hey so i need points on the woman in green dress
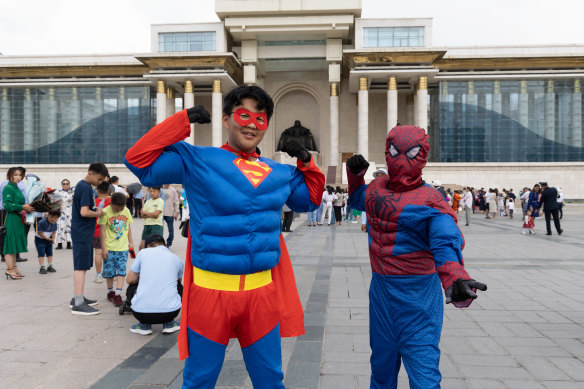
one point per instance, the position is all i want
(15, 239)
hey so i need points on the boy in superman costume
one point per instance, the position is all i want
(414, 245)
(238, 276)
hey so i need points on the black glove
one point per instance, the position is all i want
(357, 164)
(258, 151)
(461, 290)
(199, 115)
(296, 150)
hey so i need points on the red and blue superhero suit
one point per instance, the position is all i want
(240, 281)
(414, 245)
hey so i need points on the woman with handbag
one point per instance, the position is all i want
(15, 239)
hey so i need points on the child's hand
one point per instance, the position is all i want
(104, 254)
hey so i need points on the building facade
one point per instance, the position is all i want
(496, 116)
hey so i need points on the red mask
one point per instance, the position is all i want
(245, 117)
(406, 154)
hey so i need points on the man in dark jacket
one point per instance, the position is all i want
(549, 199)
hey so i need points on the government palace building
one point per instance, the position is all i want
(497, 116)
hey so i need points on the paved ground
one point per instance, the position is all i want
(527, 331)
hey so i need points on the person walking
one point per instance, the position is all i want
(533, 201)
(338, 204)
(525, 199)
(327, 197)
(560, 202)
(15, 238)
(549, 200)
(171, 211)
(467, 201)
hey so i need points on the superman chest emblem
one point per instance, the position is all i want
(254, 171)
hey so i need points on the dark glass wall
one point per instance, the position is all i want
(72, 125)
(508, 121)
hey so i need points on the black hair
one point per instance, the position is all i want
(329, 189)
(103, 187)
(114, 179)
(159, 188)
(234, 97)
(55, 213)
(12, 170)
(339, 189)
(154, 239)
(118, 199)
(98, 168)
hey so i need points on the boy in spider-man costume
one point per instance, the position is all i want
(240, 281)
(414, 245)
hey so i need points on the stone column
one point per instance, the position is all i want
(410, 109)
(423, 103)
(29, 138)
(576, 135)
(170, 102)
(5, 127)
(492, 140)
(334, 125)
(523, 104)
(363, 132)
(216, 114)
(549, 112)
(391, 103)
(160, 102)
(52, 118)
(189, 102)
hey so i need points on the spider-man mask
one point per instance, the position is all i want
(406, 154)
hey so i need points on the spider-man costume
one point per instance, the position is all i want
(414, 245)
(240, 283)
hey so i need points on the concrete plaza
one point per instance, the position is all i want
(526, 331)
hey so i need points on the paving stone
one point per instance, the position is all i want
(233, 373)
(118, 378)
(332, 381)
(302, 374)
(516, 384)
(143, 358)
(163, 372)
(310, 351)
(542, 368)
(573, 367)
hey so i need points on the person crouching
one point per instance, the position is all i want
(154, 287)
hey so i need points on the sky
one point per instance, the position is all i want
(60, 27)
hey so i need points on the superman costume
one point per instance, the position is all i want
(414, 245)
(240, 283)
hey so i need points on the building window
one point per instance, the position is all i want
(508, 121)
(393, 36)
(77, 125)
(186, 41)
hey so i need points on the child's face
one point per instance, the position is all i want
(154, 193)
(94, 178)
(53, 219)
(117, 208)
(243, 138)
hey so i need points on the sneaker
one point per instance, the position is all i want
(523, 232)
(84, 309)
(117, 300)
(170, 327)
(51, 269)
(142, 329)
(98, 279)
(110, 296)
(560, 232)
(91, 303)
(43, 270)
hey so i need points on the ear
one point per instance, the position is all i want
(225, 121)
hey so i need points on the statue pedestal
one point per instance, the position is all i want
(282, 157)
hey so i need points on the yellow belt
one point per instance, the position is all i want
(231, 282)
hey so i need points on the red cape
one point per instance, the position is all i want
(291, 312)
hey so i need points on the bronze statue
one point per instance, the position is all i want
(299, 133)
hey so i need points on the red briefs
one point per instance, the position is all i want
(246, 315)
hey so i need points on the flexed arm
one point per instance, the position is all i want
(306, 178)
(149, 160)
(356, 169)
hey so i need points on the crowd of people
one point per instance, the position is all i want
(94, 217)
(541, 200)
